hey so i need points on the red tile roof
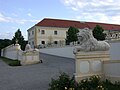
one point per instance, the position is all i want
(67, 23)
(104, 25)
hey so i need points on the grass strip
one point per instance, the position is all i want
(11, 62)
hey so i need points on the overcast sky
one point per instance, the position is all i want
(24, 14)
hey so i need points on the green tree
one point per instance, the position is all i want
(18, 36)
(72, 35)
(4, 43)
(98, 33)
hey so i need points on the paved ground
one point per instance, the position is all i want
(34, 77)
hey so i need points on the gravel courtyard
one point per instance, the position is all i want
(34, 77)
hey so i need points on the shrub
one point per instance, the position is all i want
(111, 86)
(15, 63)
(64, 82)
(92, 83)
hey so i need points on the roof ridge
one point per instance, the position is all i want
(103, 23)
(50, 22)
(61, 19)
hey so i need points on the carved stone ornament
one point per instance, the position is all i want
(89, 43)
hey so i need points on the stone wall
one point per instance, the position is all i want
(13, 52)
(112, 70)
(114, 50)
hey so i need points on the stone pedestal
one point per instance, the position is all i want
(30, 57)
(90, 63)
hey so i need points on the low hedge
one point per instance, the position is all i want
(11, 62)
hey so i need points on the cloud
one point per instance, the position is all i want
(95, 10)
(30, 15)
(4, 19)
(6, 35)
(7, 19)
(14, 14)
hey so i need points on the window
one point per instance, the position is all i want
(55, 32)
(42, 42)
(28, 33)
(42, 31)
(32, 32)
(55, 42)
(32, 42)
(29, 43)
(78, 42)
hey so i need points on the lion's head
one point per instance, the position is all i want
(84, 35)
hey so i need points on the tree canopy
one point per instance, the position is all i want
(72, 35)
(4, 43)
(18, 36)
(98, 33)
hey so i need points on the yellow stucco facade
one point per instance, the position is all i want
(50, 35)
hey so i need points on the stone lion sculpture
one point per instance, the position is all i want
(28, 47)
(89, 43)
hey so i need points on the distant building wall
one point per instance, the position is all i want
(113, 34)
(31, 36)
(44, 35)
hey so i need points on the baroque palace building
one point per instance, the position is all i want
(53, 31)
